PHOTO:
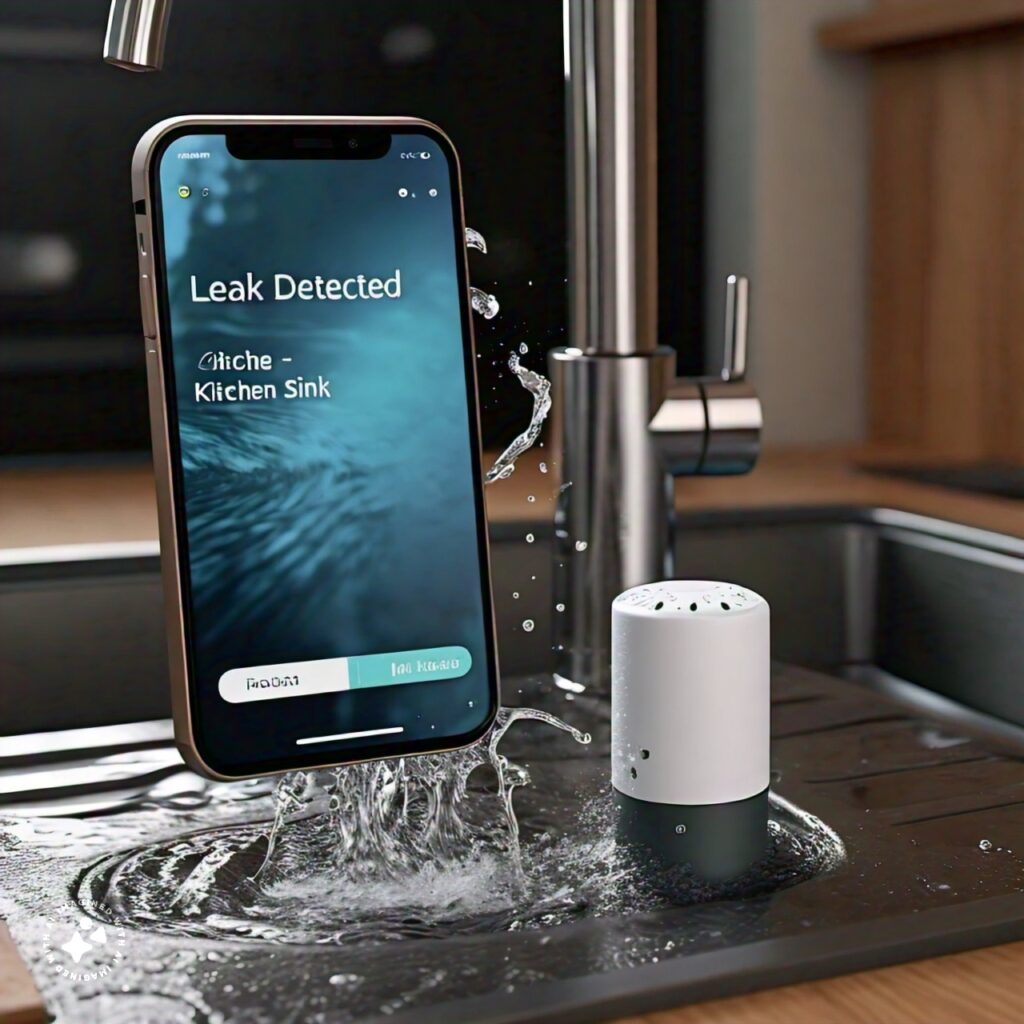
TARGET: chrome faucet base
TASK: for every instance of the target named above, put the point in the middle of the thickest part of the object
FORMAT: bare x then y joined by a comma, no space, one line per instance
624,427
612,520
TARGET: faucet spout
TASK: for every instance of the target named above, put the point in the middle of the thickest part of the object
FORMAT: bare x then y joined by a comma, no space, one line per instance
136,33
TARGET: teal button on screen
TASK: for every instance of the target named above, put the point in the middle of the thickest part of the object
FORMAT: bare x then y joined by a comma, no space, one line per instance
368,670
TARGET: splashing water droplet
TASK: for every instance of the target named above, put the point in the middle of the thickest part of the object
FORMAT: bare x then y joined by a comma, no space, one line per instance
540,387
474,240
515,595
559,607
581,545
484,303
350,852
985,844
531,498
543,467
528,625
530,538
523,348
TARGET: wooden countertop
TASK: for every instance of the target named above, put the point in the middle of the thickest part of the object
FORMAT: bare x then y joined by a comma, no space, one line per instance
40,507
84,505
982,986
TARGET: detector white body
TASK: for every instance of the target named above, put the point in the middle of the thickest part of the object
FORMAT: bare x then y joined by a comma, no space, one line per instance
691,710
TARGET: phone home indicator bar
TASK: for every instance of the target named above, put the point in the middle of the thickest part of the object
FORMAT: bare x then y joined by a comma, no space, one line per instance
389,731
335,675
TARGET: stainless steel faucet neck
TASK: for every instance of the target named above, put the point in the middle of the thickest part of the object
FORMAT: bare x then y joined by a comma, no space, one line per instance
612,101
624,428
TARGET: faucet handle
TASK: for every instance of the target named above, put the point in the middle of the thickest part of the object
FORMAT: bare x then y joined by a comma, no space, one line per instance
737,290
711,426
733,410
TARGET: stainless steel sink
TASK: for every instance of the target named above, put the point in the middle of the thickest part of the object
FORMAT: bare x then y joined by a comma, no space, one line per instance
866,592
881,595
915,757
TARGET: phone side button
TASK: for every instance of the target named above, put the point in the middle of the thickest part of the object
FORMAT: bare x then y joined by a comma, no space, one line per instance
146,302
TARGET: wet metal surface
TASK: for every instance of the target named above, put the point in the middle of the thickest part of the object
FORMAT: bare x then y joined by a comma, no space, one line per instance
923,787
932,819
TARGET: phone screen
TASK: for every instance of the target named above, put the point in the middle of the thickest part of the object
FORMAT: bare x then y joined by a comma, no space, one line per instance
320,397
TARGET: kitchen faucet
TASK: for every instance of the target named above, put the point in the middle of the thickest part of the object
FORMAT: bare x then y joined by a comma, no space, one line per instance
624,426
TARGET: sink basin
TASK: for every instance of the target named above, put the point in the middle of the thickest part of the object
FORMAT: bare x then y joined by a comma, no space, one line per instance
1001,479
902,732
882,596
871,593
858,591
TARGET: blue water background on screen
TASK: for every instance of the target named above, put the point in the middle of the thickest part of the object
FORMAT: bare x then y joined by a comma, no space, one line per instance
321,528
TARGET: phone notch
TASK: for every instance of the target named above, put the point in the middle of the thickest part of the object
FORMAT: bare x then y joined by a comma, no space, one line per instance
310,142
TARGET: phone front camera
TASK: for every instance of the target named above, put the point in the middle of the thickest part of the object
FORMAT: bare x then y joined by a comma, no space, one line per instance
353,143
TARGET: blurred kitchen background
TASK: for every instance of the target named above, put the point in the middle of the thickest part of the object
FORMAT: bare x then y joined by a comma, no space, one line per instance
71,359
858,160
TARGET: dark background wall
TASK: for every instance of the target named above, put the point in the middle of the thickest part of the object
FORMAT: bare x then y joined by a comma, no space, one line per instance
71,366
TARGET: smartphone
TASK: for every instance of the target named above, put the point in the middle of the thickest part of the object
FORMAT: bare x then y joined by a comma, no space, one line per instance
312,388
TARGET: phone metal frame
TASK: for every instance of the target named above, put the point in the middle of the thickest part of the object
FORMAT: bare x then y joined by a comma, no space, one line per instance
171,567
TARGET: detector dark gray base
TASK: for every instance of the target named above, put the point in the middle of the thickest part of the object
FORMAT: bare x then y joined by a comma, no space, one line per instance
714,842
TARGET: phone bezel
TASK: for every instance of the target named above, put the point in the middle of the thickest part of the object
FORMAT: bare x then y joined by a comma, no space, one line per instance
187,712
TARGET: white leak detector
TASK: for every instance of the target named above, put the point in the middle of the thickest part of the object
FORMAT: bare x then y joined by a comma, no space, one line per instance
691,710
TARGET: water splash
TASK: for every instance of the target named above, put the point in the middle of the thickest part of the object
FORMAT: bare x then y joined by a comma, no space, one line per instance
474,240
226,883
386,848
484,303
389,818
222,927
540,388
463,874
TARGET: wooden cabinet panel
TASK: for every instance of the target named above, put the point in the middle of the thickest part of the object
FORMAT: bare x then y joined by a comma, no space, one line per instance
946,347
